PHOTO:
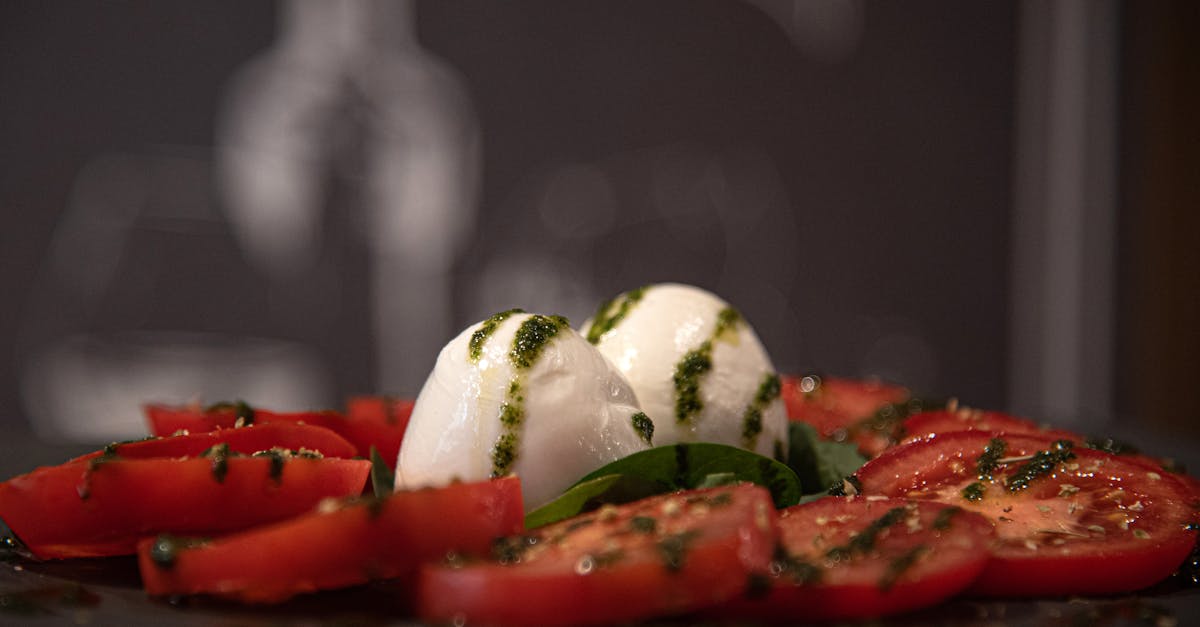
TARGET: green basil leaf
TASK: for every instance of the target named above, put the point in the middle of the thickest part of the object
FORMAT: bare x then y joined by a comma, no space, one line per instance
717,479
819,463
588,495
685,466
382,478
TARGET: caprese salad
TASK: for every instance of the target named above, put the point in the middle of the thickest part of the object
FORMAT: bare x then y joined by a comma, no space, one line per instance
651,463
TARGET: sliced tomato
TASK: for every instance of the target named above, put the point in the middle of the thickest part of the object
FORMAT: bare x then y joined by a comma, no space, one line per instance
245,440
1069,520
947,420
102,507
371,422
665,554
845,558
350,544
378,421
846,409
165,420
927,423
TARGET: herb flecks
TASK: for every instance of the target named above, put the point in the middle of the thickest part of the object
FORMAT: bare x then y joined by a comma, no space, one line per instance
531,338
644,426
611,313
1042,463
243,412
990,458
219,454
864,542
752,419
942,521
974,491
673,549
695,364
898,566
485,331
166,548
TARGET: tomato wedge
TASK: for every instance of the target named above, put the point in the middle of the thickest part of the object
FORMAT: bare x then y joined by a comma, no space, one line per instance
165,420
1069,520
103,507
845,558
844,409
376,421
665,554
947,420
245,440
363,539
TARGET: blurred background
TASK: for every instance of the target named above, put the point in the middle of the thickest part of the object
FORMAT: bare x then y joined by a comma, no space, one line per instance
293,202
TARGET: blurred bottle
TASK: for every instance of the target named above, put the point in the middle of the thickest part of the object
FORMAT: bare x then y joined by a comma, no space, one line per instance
347,90
151,293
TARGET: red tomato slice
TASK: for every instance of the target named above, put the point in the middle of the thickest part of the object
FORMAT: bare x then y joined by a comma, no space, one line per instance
245,440
166,420
664,554
371,422
855,557
97,508
351,544
1091,524
965,419
841,409
378,421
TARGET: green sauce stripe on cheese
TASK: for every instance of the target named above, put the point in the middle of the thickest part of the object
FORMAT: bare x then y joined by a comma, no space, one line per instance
531,339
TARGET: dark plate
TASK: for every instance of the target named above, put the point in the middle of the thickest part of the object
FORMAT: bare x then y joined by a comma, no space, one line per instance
107,591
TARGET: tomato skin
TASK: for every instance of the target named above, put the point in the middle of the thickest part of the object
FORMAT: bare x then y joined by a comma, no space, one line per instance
165,420
344,547
1098,524
927,423
370,421
955,553
554,583
128,499
245,440
839,408
378,421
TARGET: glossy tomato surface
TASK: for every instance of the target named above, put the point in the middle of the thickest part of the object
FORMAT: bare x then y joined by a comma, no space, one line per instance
947,420
352,543
854,410
1068,520
856,557
245,440
378,421
103,507
661,555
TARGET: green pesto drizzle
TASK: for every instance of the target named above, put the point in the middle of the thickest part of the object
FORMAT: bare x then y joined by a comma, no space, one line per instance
242,411
165,550
862,543
695,364
277,456
987,462
644,427
1043,463
798,570
109,455
219,454
643,524
974,491
752,419
942,522
897,567
532,337
673,549
485,331
613,312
